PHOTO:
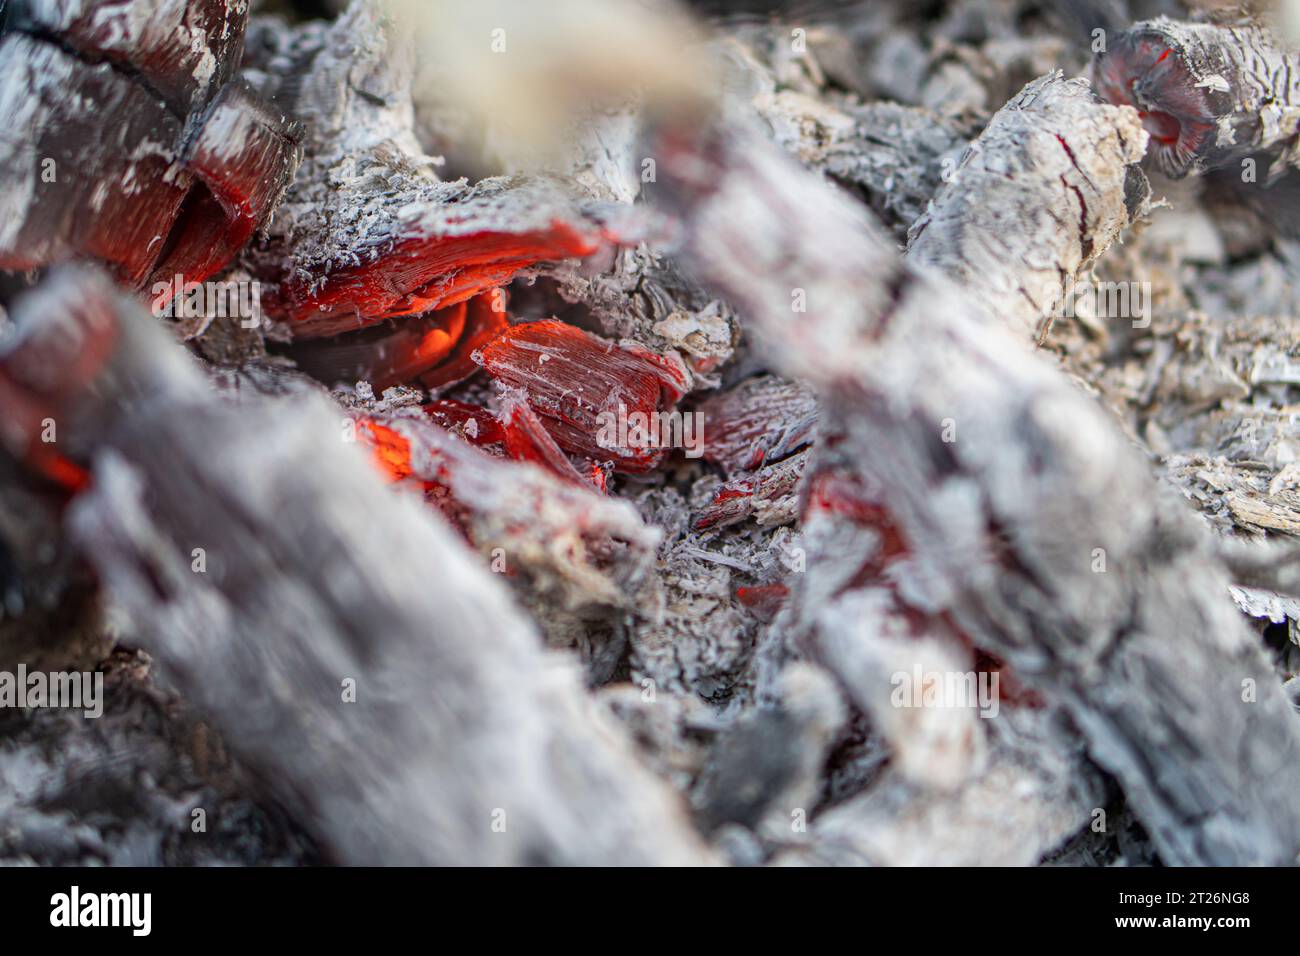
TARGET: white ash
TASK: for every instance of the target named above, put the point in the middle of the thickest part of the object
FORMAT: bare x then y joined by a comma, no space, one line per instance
129,792
892,155
1029,801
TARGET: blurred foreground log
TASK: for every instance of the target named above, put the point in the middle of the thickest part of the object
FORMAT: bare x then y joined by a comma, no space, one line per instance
348,648
1012,509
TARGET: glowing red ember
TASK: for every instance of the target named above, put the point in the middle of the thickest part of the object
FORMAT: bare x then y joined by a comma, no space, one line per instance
584,386
419,274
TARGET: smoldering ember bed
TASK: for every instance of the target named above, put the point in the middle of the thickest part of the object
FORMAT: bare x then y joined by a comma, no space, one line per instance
437,432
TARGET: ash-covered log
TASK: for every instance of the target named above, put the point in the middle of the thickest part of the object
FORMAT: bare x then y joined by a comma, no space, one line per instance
347,647
1036,200
1210,94
1024,516
128,139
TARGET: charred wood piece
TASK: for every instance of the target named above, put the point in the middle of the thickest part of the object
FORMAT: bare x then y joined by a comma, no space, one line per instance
128,140
1209,94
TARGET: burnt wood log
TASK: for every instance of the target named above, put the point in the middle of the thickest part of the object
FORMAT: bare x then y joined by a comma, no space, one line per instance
127,139
1053,156
1211,94
1039,532
1036,200
348,648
